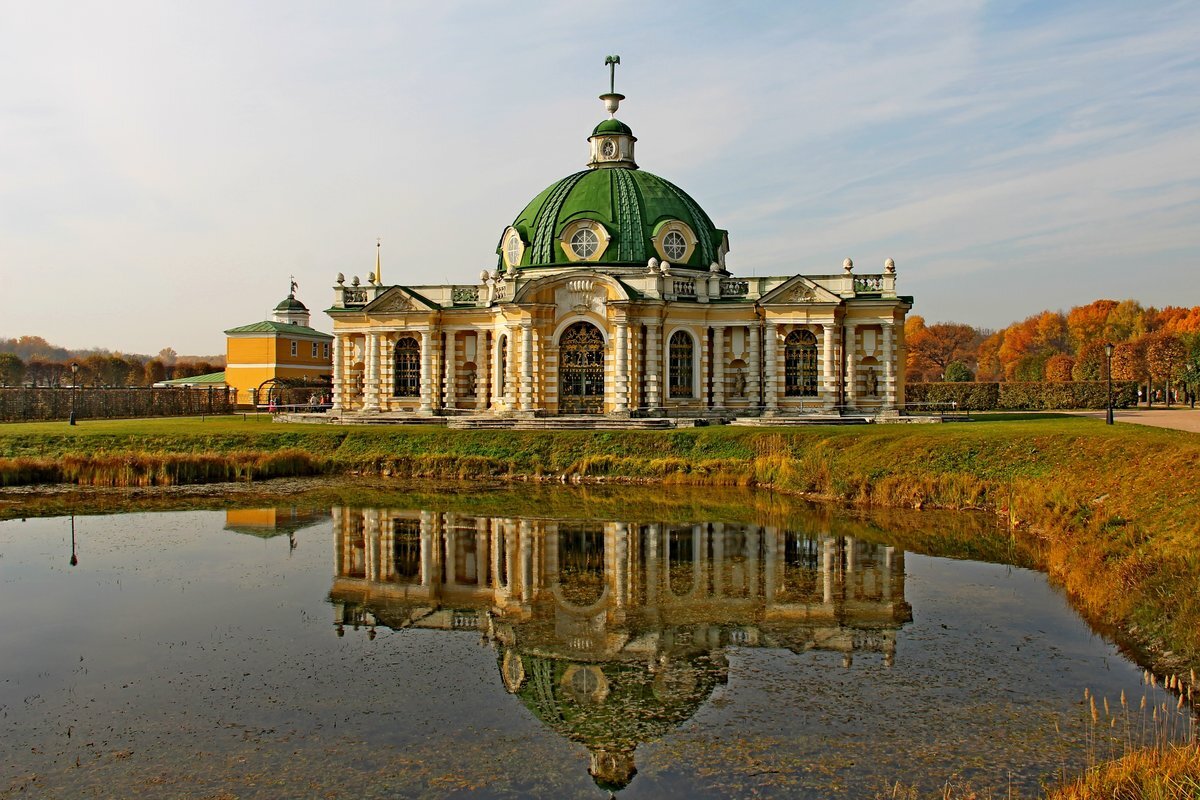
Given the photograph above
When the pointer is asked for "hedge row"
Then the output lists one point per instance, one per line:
(1018, 396)
(24, 403)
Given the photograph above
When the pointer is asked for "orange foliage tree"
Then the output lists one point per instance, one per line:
(1058, 367)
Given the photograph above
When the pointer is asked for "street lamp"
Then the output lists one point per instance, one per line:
(1108, 351)
(74, 380)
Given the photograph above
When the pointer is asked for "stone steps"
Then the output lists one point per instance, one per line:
(558, 424)
(813, 419)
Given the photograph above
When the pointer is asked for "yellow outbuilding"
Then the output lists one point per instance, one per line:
(278, 353)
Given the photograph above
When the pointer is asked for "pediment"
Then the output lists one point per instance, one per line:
(798, 290)
(397, 300)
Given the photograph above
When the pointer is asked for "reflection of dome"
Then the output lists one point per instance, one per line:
(613, 707)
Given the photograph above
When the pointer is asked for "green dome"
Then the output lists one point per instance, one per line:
(290, 303)
(612, 126)
(630, 203)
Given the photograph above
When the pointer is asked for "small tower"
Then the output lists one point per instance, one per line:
(290, 310)
(612, 140)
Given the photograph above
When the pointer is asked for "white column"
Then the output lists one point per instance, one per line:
(426, 372)
(889, 368)
(718, 370)
(621, 368)
(770, 369)
(448, 359)
(526, 366)
(851, 363)
(753, 394)
(371, 379)
(827, 371)
(339, 375)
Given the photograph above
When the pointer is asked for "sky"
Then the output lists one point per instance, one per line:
(166, 166)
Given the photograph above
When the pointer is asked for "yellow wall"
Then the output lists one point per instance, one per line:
(271, 356)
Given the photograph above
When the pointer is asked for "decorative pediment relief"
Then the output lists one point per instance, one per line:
(799, 290)
(395, 301)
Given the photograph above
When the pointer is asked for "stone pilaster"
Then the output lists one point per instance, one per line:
(718, 366)
(771, 369)
(828, 372)
(449, 358)
(753, 383)
(526, 366)
(653, 364)
(483, 371)
(371, 379)
(621, 368)
(339, 375)
(427, 377)
(851, 364)
(889, 367)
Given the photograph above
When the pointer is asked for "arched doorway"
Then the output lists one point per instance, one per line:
(581, 370)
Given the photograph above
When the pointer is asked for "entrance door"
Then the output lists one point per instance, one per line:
(581, 367)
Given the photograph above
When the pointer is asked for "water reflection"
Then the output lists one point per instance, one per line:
(613, 633)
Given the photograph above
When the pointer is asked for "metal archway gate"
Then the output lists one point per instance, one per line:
(581, 370)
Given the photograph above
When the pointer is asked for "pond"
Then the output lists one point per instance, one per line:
(548, 643)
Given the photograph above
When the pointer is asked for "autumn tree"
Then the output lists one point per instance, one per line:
(12, 370)
(1165, 357)
(1129, 362)
(155, 371)
(1058, 367)
(1086, 324)
(1091, 364)
(935, 347)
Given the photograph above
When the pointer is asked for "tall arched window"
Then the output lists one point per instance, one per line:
(800, 364)
(408, 368)
(680, 354)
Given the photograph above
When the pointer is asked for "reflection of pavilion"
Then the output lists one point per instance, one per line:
(612, 632)
(269, 522)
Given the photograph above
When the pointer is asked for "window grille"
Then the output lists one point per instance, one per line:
(800, 364)
(408, 368)
(681, 352)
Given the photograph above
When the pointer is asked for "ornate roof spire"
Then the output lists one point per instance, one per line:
(611, 99)
(378, 279)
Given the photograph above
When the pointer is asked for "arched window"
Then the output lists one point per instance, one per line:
(408, 368)
(680, 358)
(800, 364)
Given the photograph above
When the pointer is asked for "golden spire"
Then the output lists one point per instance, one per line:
(378, 279)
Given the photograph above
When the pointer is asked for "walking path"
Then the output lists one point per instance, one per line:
(1181, 419)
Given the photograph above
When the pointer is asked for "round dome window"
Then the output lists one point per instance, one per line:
(674, 245)
(584, 243)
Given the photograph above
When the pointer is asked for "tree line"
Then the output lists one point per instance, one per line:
(99, 369)
(1159, 348)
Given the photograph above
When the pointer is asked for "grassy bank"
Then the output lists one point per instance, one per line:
(1110, 512)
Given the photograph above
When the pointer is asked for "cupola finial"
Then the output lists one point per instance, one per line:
(612, 100)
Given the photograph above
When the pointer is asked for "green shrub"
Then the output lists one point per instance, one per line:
(1018, 396)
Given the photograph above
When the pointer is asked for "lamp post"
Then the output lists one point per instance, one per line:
(1108, 353)
(74, 380)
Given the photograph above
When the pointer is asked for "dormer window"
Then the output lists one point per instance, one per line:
(674, 241)
(674, 245)
(584, 240)
(584, 243)
(514, 248)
